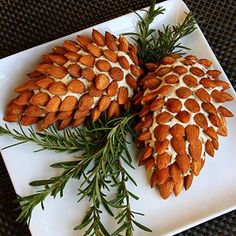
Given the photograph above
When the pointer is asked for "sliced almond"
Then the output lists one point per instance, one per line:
(149, 163)
(116, 73)
(149, 96)
(76, 86)
(49, 119)
(58, 88)
(15, 109)
(59, 50)
(178, 186)
(40, 99)
(160, 176)
(207, 83)
(78, 121)
(43, 67)
(147, 152)
(80, 114)
(215, 120)
(164, 90)
(151, 82)
(34, 74)
(215, 143)
(10, 117)
(188, 62)
(221, 96)
(196, 167)
(94, 92)
(69, 103)
(173, 105)
(168, 60)
(133, 54)
(205, 62)
(222, 84)
(175, 173)
(222, 130)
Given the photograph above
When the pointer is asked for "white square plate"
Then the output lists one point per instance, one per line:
(212, 193)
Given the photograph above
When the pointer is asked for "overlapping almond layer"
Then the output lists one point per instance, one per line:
(181, 119)
(80, 78)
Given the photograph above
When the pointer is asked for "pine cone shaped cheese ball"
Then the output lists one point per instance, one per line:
(181, 118)
(77, 79)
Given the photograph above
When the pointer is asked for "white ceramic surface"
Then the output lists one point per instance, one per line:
(212, 193)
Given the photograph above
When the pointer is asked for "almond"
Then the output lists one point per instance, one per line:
(175, 173)
(209, 108)
(215, 120)
(183, 92)
(46, 59)
(70, 46)
(76, 86)
(151, 66)
(205, 62)
(160, 176)
(40, 99)
(152, 82)
(124, 44)
(101, 81)
(178, 145)
(33, 110)
(190, 80)
(147, 122)
(42, 67)
(196, 166)
(175, 55)
(116, 73)
(183, 162)
(80, 114)
(135, 70)
(145, 110)
(87, 60)
(157, 104)
(192, 132)
(94, 92)
(15, 109)
(34, 74)
(137, 98)
(203, 95)
(162, 160)
(201, 120)
(59, 50)
(144, 136)
(29, 85)
(188, 181)
(28, 120)
(149, 163)
(195, 149)
(225, 112)
(211, 133)
(45, 82)
(104, 103)
(183, 116)
(98, 38)
(163, 117)
(83, 41)
(130, 80)
(103, 65)
(53, 104)
(163, 71)
(188, 62)
(173, 105)
(78, 121)
(58, 72)
(177, 131)
(72, 56)
(94, 50)
(192, 105)
(112, 89)
(166, 189)
(197, 71)
(88, 74)
(110, 41)
(133, 54)
(161, 146)
(85, 102)
(23, 98)
(69, 103)
(124, 63)
(122, 95)
(161, 132)
(147, 152)
(221, 96)
(58, 88)
(222, 130)
(214, 73)
(65, 115)
(215, 143)
(180, 70)
(110, 55)
(64, 123)
(113, 109)
(164, 90)
(74, 70)
(207, 83)
(10, 117)
(95, 114)
(222, 83)
(168, 60)
(50, 118)
(178, 186)
(209, 148)
(58, 59)
(171, 79)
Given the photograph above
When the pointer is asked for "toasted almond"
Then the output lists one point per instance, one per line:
(94, 92)
(203, 95)
(110, 41)
(42, 67)
(113, 109)
(116, 73)
(58, 59)
(124, 63)
(135, 70)
(221, 96)
(192, 132)
(87, 60)
(222, 130)
(147, 152)
(124, 44)
(83, 41)
(211, 133)
(151, 82)
(95, 114)
(161, 132)
(178, 145)
(201, 120)
(164, 90)
(74, 70)
(88, 74)
(205, 62)
(171, 79)
(85, 102)
(59, 50)
(173, 105)
(196, 166)
(163, 71)
(76, 86)
(183, 116)
(190, 80)
(45, 82)
(11, 117)
(149, 163)
(180, 70)
(58, 88)
(23, 98)
(197, 71)
(40, 99)
(94, 50)
(195, 149)
(157, 104)
(112, 89)
(29, 85)
(133, 54)
(192, 105)
(72, 56)
(215, 143)
(214, 73)
(209, 108)
(188, 181)
(69, 103)
(163, 117)
(98, 38)
(144, 136)
(159, 176)
(215, 120)
(80, 114)
(64, 123)
(166, 189)
(162, 160)
(207, 83)
(101, 82)
(130, 80)
(58, 72)
(178, 186)
(53, 104)
(168, 60)
(70, 46)
(183, 162)
(183, 92)
(225, 112)
(15, 109)
(122, 95)
(28, 120)
(177, 131)
(78, 121)
(222, 83)
(161, 146)
(103, 65)
(65, 115)
(33, 110)
(104, 103)
(110, 55)
(175, 173)
(188, 62)
(34, 74)
(49, 119)
(209, 148)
